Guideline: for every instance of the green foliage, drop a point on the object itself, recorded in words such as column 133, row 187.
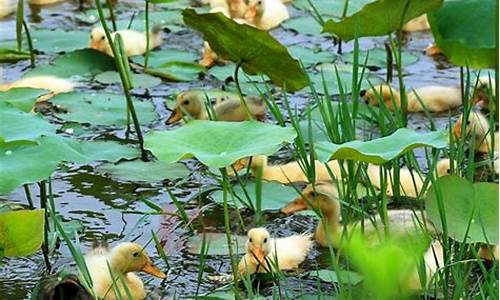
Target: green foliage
column 256, row 50
column 216, row 243
column 138, row 80
column 465, row 31
column 211, row 144
column 471, row 210
column 160, row 57
column 380, row 18
column 22, row 98
column 178, row 71
column 377, row 57
column 139, row 171
column 12, row 55
column 309, row 56
column 57, row 41
column 20, row 126
column 21, row 232
column 381, row 150
column 338, row 276
column 304, row 24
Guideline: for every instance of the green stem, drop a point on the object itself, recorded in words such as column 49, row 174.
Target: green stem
column 148, row 37
column 43, row 205
column 240, row 94
column 19, row 24
column 389, row 62
column 28, row 196
column 111, row 15
column 30, row 44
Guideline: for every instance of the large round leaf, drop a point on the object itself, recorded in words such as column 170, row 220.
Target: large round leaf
column 138, row 80
column 304, row 24
column 16, row 125
column 337, row 276
column 256, row 50
column 310, row 56
column 381, row 150
column 157, row 58
column 12, row 55
column 333, row 8
column 380, row 18
column 217, row 144
column 101, row 109
column 56, row 41
column 177, row 71
column 465, row 30
column 22, row 98
column 216, row 244
column 151, row 172
column 21, row 232
column 377, row 57
column 464, row 201
column 274, row 195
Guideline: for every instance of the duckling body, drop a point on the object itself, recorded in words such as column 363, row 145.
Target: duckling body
column 43, row 2
column 264, row 254
column 134, row 41
column 266, row 14
column 434, row 98
column 54, row 84
column 417, row 24
column 231, row 110
column 124, row 260
column 7, row 7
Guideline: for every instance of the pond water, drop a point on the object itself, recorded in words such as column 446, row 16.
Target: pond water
column 112, row 208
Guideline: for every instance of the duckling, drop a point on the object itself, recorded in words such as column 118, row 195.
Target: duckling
column 124, row 259
column 324, row 197
column 54, row 84
column 192, row 102
column 43, row 2
column 264, row 254
column 417, row 24
column 134, row 42
column 488, row 252
column 433, row 50
column 435, row 98
column 287, row 173
column 482, row 91
column 7, row 7
column 266, row 14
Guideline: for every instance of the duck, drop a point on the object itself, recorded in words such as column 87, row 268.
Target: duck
column 7, row 7
column 53, row 84
column 323, row 197
column 43, row 2
column 287, row 173
column 266, row 14
column 134, row 41
column 231, row 109
column 435, row 98
column 266, row 254
column 419, row 23
column 124, row 259
column 481, row 95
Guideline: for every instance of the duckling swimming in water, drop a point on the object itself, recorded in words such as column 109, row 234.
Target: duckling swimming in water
column 54, row 84
column 266, row 14
column 134, row 42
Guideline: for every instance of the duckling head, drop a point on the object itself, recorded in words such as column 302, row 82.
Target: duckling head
column 382, row 92
column 258, row 243
column 98, row 39
column 443, row 167
column 256, row 162
column 476, row 124
column 187, row 102
column 481, row 95
column 131, row 257
column 255, row 9
column 322, row 197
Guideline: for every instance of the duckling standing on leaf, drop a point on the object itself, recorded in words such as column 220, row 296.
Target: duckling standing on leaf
column 265, row 254
column 434, row 98
column 134, row 42
column 124, row 259
column 233, row 110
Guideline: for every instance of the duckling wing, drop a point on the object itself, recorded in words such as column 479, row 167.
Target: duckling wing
column 290, row 251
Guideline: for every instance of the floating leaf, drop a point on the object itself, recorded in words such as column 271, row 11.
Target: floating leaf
column 258, row 52
column 227, row 71
column 380, row 18
column 22, row 98
column 465, row 30
column 151, row 172
column 17, row 125
column 178, row 71
column 58, row 40
column 157, row 58
column 101, row 109
column 210, row 142
column 274, row 195
column 21, row 232
column 138, row 80
column 383, row 149
column 217, row 244
column 377, row 58
column 305, row 25
column 311, row 57
column 462, row 200
column 333, row 8
column 82, row 63
column 12, row 55
column 339, row 276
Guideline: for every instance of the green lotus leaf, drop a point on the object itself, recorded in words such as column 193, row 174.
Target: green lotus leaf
column 16, row 125
column 21, row 232
column 138, row 80
column 377, row 58
column 12, row 55
column 139, row 171
column 160, row 57
column 22, row 98
column 216, row 243
column 178, row 71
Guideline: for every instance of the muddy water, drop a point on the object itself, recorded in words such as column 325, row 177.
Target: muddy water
column 110, row 208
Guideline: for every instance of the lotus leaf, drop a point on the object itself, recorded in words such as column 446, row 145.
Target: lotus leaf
column 177, row 71
column 305, row 25
column 57, row 41
column 331, row 8
column 21, row 232
column 216, row 243
column 217, row 144
column 22, row 98
column 309, row 57
column 12, row 55
column 158, row 58
column 377, row 58
column 338, row 276
column 151, row 172
column 138, row 80
column 16, row 125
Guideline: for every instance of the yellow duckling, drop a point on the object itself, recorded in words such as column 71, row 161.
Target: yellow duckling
column 287, row 173
column 124, row 259
column 54, row 84
column 193, row 103
column 266, row 14
column 417, row 24
column 324, row 197
column 264, row 254
column 43, row 2
column 481, row 95
column 134, row 42
column 7, row 7
column 435, row 98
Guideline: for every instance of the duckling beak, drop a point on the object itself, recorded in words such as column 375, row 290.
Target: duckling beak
column 93, row 45
column 174, row 117
column 458, row 129
column 251, row 12
column 259, row 254
column 297, row 205
column 153, row 270
column 239, row 165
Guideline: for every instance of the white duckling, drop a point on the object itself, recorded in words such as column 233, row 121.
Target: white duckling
column 265, row 254
column 7, row 7
column 266, row 14
column 481, row 96
column 435, row 98
column 417, row 24
column 134, row 41
column 124, row 259
column 290, row 172
column 53, row 84
column 232, row 110
column 324, row 198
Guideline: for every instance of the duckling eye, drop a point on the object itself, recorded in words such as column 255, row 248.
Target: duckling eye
column 467, row 123
column 91, row 37
column 102, row 37
column 312, row 194
column 185, row 102
column 135, row 254
column 259, row 3
column 265, row 240
column 250, row 240
column 448, row 171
